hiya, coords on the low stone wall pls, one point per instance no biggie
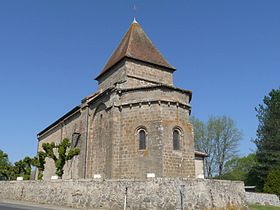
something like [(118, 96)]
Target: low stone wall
[(155, 193), (262, 198)]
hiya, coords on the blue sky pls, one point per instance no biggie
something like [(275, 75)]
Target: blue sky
[(226, 52)]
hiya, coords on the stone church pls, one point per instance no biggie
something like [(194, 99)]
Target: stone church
[(136, 125)]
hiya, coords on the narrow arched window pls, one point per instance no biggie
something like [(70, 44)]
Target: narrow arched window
[(176, 140), (142, 140)]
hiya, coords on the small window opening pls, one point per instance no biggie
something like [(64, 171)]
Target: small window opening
[(176, 140), (75, 139), (142, 140)]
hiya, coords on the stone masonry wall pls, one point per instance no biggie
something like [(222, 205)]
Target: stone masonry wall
[(131, 74), (157, 193), (110, 123), (117, 74), (262, 198), (74, 124), (129, 161), (150, 73), (99, 156), (199, 167), (143, 109)]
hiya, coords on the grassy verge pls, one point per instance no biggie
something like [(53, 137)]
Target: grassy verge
[(260, 207)]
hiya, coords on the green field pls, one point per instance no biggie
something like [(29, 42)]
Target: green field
[(259, 207)]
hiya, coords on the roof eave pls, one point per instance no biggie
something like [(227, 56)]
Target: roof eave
[(72, 111)]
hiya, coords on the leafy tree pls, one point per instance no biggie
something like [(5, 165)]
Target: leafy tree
[(218, 138), (268, 137), (40, 162), (23, 168), (272, 184), (4, 166), (63, 155), (18, 168), (27, 168), (238, 168)]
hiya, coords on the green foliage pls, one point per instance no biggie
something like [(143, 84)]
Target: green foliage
[(238, 169), (19, 168), (40, 162), (268, 138), (5, 166), (3, 159), (23, 168), (49, 150), (218, 137), (63, 155), (27, 169), (272, 184)]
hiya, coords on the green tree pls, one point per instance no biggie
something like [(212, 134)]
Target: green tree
[(268, 138), (27, 168), (272, 184), (23, 168), (63, 155), (238, 168), (5, 166), (219, 139), (40, 162)]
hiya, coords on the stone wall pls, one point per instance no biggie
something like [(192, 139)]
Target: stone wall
[(146, 74), (75, 123), (144, 109), (110, 122), (131, 73), (262, 198), (109, 141), (156, 193), (199, 167), (115, 75)]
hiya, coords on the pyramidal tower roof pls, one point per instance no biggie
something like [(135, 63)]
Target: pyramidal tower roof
[(136, 45)]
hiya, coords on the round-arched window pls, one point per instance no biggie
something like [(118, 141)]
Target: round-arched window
[(142, 139), (176, 139)]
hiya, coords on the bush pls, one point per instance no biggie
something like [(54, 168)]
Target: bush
[(272, 184)]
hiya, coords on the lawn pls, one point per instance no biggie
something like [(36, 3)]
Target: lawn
[(259, 207)]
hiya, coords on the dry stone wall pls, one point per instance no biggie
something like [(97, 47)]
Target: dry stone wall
[(155, 193)]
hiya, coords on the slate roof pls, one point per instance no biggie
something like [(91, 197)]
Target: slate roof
[(136, 45)]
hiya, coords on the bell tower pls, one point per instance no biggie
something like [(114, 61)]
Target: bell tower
[(135, 62)]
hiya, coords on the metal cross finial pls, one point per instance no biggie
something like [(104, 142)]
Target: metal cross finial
[(134, 20), (134, 11)]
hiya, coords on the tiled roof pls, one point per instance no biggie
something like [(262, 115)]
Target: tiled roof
[(136, 44)]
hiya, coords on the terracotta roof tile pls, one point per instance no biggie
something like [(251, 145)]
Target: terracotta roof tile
[(136, 44)]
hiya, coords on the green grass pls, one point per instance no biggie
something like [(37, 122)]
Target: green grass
[(260, 207)]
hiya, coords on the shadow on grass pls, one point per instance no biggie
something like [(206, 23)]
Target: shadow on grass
[(260, 207)]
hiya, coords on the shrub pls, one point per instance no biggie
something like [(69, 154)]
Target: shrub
[(272, 184)]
